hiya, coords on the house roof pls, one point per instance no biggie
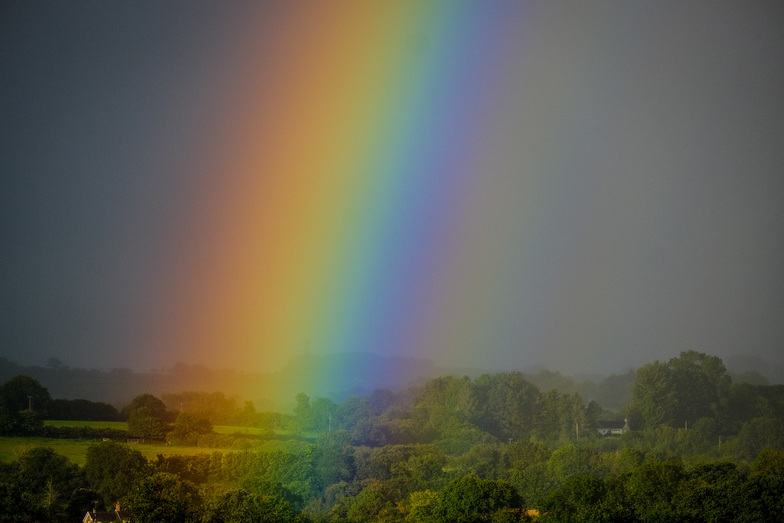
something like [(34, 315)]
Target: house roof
[(101, 516), (610, 424)]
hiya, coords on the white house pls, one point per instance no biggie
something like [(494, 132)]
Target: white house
[(612, 428)]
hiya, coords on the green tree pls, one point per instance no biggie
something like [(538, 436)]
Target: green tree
[(142, 423), (82, 410), (580, 498), (422, 470), (533, 481), (23, 405), (420, 506), (322, 410), (483, 459), (710, 492), (187, 428), (701, 385), (303, 413), (575, 460), (333, 459), (762, 495), (375, 502), (506, 405), (593, 411), (241, 506), (762, 499), (445, 404), (19, 505), (770, 462), (757, 435), (113, 469), (746, 402), (40, 465), (212, 406), (653, 486), (352, 412), (681, 391), (653, 398), (164, 497), (522, 452), (155, 407), (46, 479), (469, 499), (247, 417)]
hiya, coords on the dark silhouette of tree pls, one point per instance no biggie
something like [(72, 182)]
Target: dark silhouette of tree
[(164, 497), (470, 499), (113, 469), (679, 392), (155, 406), (23, 405), (143, 424)]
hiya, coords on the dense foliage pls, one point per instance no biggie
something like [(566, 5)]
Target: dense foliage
[(82, 410), (495, 448)]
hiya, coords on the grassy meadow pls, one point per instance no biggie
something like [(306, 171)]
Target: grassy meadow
[(73, 449), (121, 425), (76, 449)]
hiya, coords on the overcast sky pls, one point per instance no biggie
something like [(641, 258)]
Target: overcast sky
[(669, 228)]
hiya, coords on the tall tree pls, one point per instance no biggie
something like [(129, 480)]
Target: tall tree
[(23, 405), (113, 469), (48, 478), (187, 428), (242, 506), (701, 385), (506, 405), (155, 406), (653, 488), (143, 424), (164, 497), (681, 391), (653, 397), (468, 499)]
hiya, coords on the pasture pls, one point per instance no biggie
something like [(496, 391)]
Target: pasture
[(76, 449), (121, 425)]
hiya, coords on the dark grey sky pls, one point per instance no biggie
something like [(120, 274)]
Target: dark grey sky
[(667, 233)]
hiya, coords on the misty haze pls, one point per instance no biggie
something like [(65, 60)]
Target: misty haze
[(391, 261)]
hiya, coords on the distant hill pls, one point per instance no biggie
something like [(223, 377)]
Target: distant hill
[(334, 376)]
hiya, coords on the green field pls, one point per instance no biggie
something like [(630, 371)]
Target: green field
[(120, 425), (250, 431), (73, 449), (76, 449)]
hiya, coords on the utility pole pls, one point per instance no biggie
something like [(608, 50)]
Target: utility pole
[(29, 402)]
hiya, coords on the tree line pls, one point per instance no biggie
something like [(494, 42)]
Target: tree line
[(494, 448)]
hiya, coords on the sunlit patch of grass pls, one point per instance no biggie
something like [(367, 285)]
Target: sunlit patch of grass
[(251, 431), (76, 449), (73, 449), (120, 425)]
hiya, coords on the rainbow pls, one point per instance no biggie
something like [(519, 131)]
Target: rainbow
[(341, 194)]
